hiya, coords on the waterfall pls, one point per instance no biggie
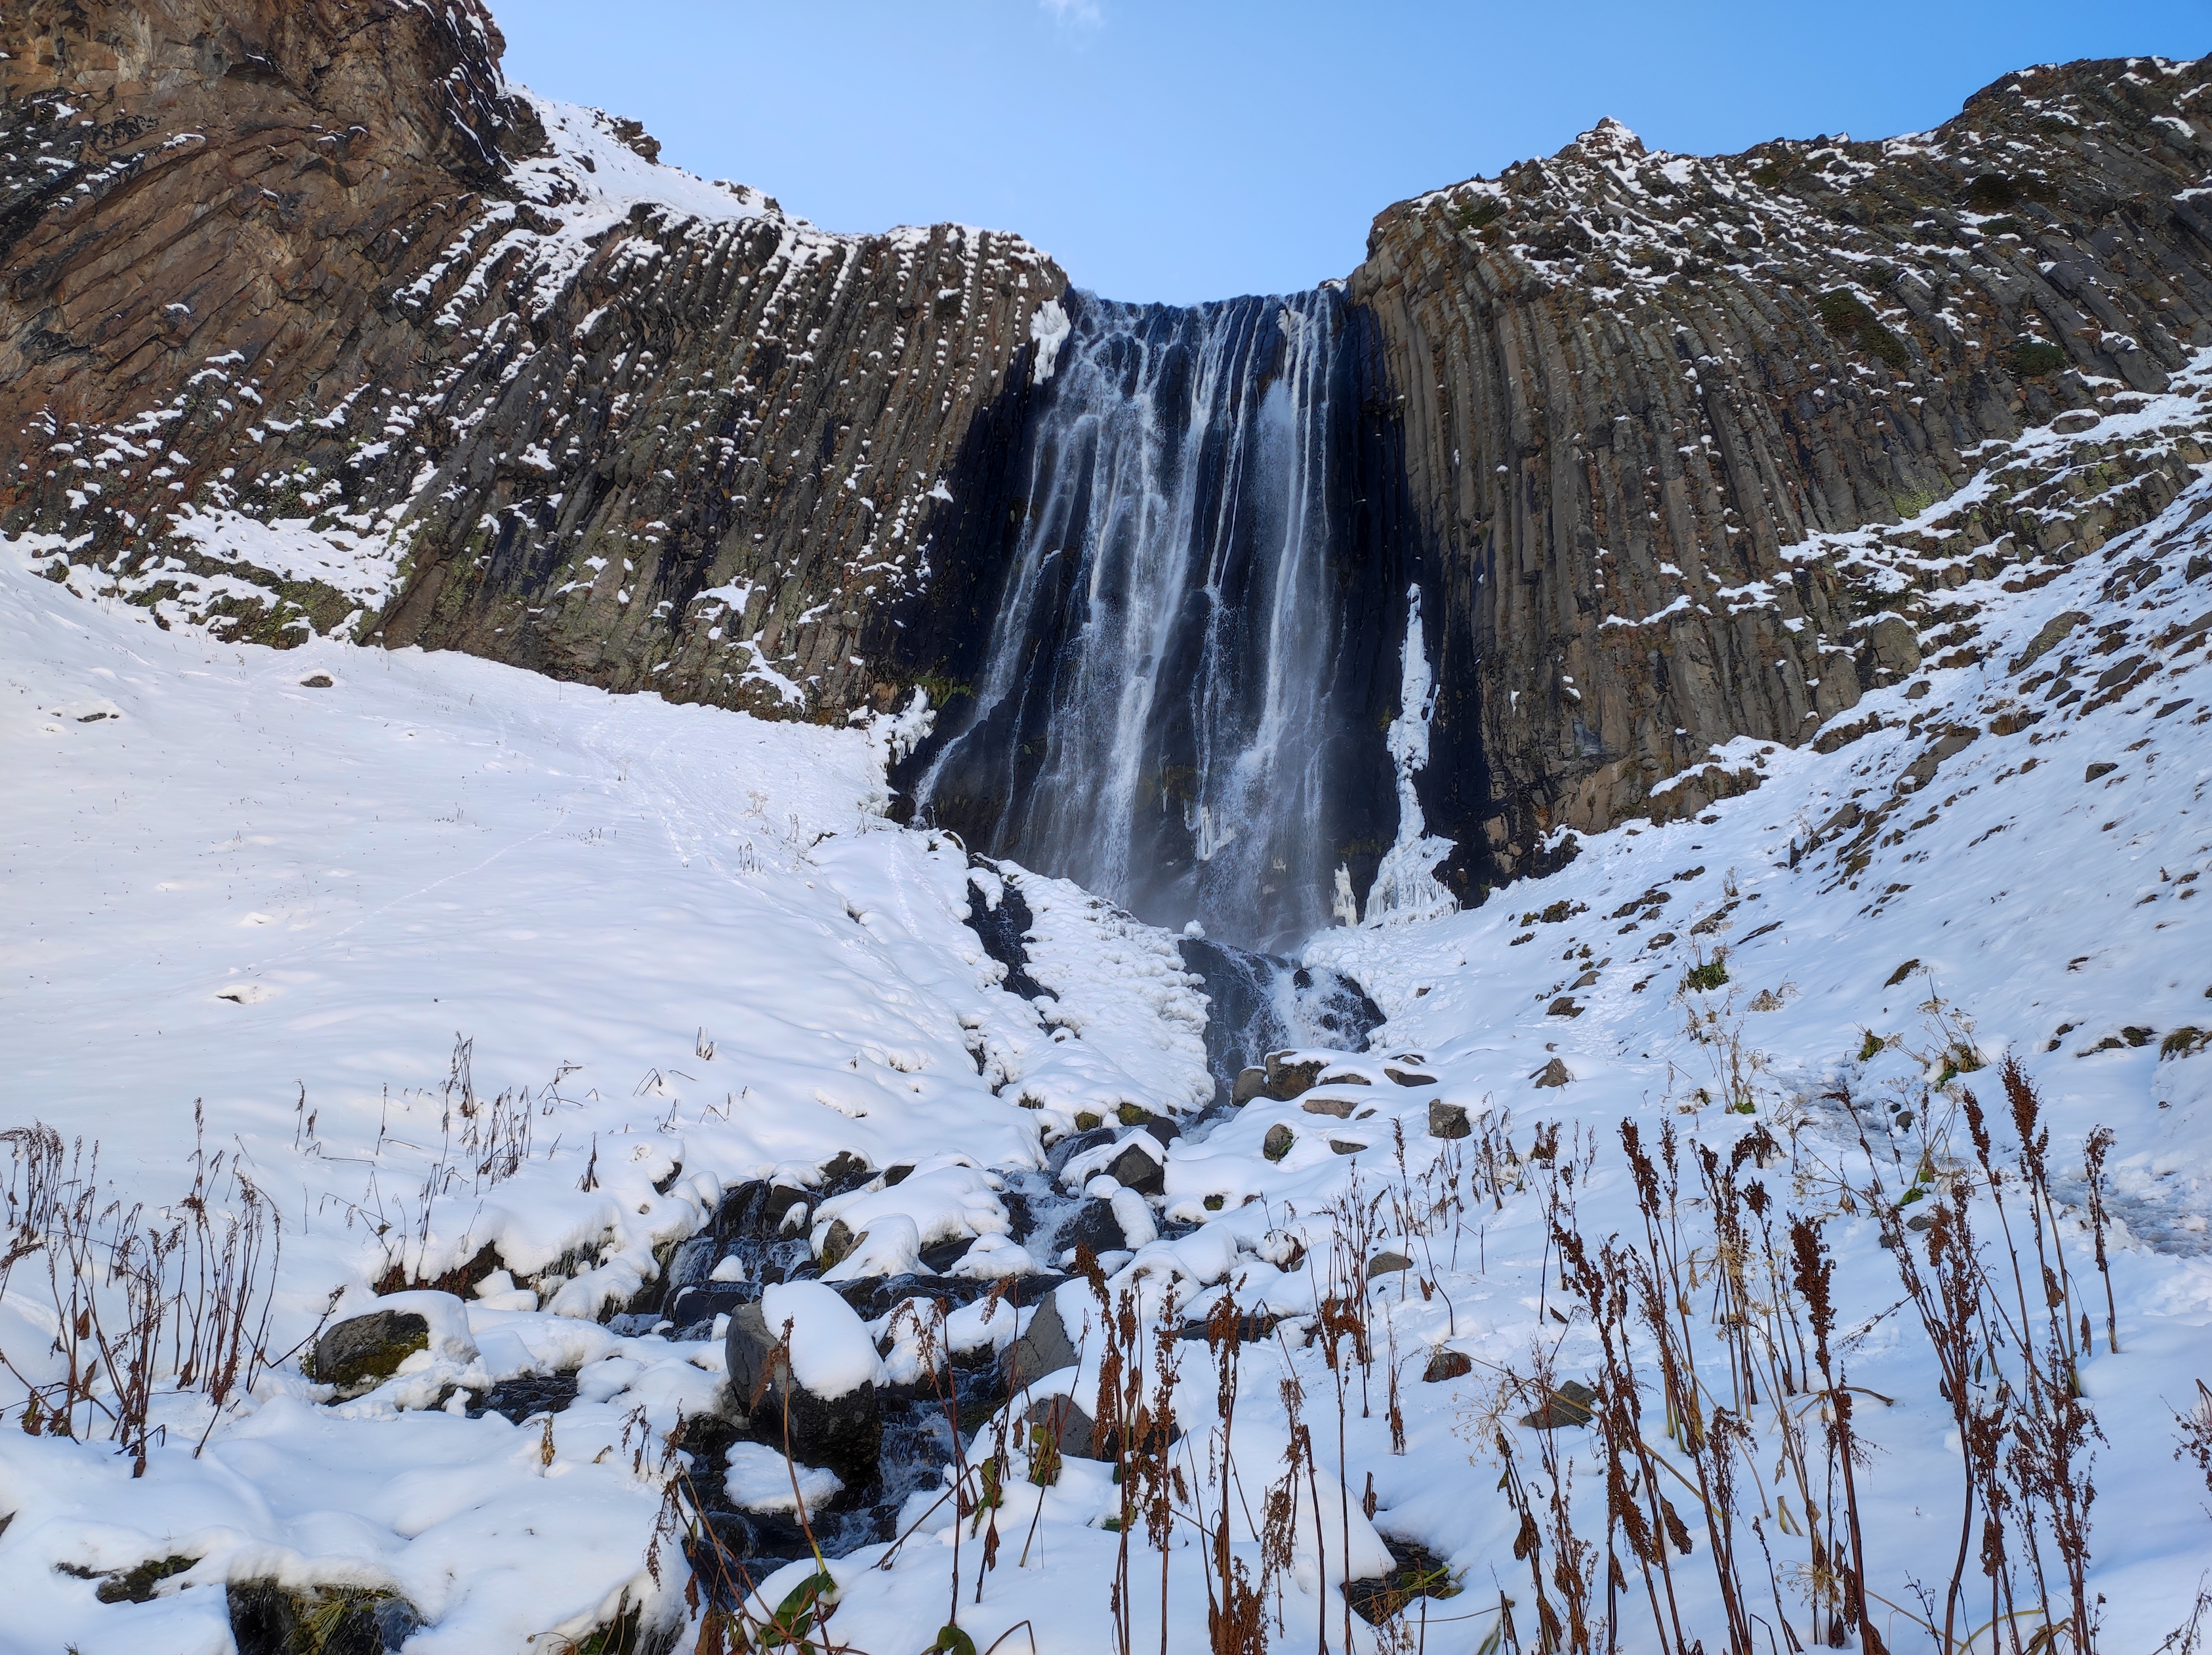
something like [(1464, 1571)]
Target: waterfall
[(1175, 706)]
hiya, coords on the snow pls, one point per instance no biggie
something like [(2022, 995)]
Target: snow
[(362, 565), (1406, 887), (944, 1199), (682, 943), (760, 1480), (357, 922), (832, 1354), (1049, 327)]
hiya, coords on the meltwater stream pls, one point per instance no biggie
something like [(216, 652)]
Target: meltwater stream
[(1172, 710)]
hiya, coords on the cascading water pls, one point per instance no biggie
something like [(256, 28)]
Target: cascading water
[(1175, 707), (1258, 1003)]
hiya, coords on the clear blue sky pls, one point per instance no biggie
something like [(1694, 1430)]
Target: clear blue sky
[(1187, 149)]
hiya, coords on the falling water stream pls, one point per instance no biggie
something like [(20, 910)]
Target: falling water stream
[(1166, 697)]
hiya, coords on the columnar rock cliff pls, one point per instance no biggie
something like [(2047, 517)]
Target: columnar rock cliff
[(309, 320), (1636, 389)]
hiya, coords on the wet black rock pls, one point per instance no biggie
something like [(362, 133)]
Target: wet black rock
[(1415, 1572), (517, 1399), (1003, 927), (776, 1205), (1075, 1144), (945, 1255), (694, 1307), (1095, 1226), (844, 1434), (1138, 1169)]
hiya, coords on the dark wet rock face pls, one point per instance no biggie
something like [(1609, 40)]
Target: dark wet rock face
[(999, 916), (703, 460), (1126, 717)]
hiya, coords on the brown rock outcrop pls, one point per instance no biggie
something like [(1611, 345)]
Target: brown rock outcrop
[(1637, 391), (308, 320)]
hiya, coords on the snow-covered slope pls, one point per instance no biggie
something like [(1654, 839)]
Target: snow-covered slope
[(365, 913), (227, 882)]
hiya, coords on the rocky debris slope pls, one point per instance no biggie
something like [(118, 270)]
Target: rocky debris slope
[(310, 322), (1640, 393)]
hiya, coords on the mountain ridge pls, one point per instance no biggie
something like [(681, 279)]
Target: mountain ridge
[(492, 395)]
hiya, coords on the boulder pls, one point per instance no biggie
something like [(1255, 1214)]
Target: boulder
[(360, 1353), (1894, 643), (1448, 1120), (269, 1619), (1388, 1263), (1278, 1142), (837, 1242), (1062, 1421), (1568, 1404), (844, 1432), (692, 1307), (1447, 1364), (1043, 1348), (1094, 1226), (1553, 1073), (781, 1198), (1339, 1107), (1250, 1084), (1078, 1143), (1136, 1169), (1286, 1080)]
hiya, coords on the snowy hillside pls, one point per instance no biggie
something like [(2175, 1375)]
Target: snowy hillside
[(448, 957)]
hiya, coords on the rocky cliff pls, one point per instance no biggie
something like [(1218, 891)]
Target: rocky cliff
[(1637, 390), (309, 320)]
